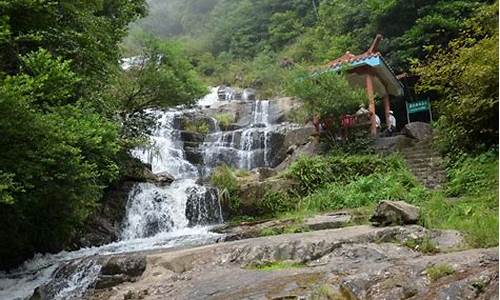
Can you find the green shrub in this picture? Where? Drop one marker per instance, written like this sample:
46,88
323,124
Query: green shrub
439,271
275,265
198,126
314,172
365,191
225,180
476,216
275,203
473,175
359,142
224,119
326,94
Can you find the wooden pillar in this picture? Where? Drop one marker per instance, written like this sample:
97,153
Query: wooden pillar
371,103
387,107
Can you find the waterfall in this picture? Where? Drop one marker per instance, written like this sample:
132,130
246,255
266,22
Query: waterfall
155,209
156,217
159,216
245,148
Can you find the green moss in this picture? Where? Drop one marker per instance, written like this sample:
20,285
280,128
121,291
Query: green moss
269,232
439,271
425,245
326,292
275,265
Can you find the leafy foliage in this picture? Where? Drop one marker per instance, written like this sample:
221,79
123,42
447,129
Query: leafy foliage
85,32
475,181
62,126
275,203
465,78
315,172
163,77
55,164
225,180
365,191
326,94
473,175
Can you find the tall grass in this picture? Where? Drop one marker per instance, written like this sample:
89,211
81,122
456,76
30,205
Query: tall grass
475,181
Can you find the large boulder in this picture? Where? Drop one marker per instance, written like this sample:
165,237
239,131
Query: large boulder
394,213
249,94
284,143
137,171
119,269
418,130
164,178
251,192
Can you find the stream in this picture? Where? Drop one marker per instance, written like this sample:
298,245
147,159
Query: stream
161,217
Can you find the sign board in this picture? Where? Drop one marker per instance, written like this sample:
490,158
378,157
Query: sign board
418,106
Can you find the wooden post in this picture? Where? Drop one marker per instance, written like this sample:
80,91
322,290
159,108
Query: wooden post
387,107
371,103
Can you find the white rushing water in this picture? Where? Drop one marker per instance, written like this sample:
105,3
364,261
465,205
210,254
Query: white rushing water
156,218
245,148
160,216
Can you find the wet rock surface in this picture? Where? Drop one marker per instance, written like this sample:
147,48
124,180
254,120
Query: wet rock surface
358,262
118,269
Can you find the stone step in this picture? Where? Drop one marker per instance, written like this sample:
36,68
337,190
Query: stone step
424,165
421,155
431,161
423,173
422,150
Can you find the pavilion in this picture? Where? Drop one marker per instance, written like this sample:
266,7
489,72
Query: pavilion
371,71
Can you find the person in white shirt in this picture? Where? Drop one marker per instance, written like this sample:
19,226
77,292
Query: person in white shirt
377,123
391,127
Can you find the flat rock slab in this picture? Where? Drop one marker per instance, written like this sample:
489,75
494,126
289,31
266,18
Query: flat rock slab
254,229
357,261
330,221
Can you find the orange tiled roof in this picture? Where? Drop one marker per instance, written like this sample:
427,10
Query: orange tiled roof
348,57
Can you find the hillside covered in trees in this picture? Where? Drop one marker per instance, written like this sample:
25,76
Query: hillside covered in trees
70,115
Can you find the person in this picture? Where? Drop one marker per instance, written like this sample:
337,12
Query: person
377,123
391,127
346,122
362,111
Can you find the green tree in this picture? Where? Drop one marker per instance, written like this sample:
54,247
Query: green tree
56,159
327,94
463,77
83,31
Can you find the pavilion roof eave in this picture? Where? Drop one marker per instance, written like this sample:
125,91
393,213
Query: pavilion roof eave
378,64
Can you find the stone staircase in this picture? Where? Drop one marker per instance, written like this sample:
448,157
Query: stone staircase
425,163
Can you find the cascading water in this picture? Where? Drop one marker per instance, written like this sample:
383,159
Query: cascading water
161,216
157,217
245,148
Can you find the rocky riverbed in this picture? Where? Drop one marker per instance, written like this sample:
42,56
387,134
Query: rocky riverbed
355,262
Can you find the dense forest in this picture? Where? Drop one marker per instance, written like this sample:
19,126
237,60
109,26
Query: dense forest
69,114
